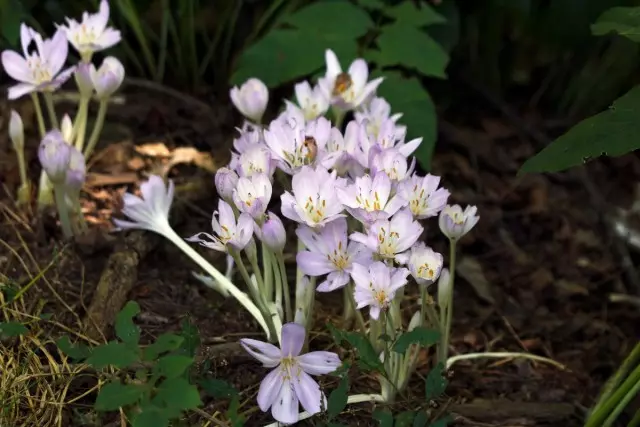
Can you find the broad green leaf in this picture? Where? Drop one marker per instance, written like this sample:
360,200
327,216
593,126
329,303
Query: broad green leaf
367,357
622,20
409,47
189,332
13,13
332,20
371,4
13,329
420,420
126,330
115,395
436,383
423,336
405,419
75,351
173,365
408,13
116,354
407,96
337,400
152,416
218,389
612,133
178,393
383,417
236,418
163,344
448,34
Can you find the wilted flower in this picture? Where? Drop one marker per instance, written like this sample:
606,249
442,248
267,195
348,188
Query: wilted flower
229,234
92,34
40,70
273,233
312,101
151,212
251,99
369,199
54,155
424,264
424,196
330,252
376,285
347,90
392,238
108,78
454,223
252,195
77,171
290,382
16,131
314,201
226,181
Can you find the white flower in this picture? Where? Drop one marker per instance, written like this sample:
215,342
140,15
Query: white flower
425,198
392,162
92,34
252,195
369,199
256,159
312,101
424,264
376,113
454,223
251,99
376,285
108,78
151,212
229,234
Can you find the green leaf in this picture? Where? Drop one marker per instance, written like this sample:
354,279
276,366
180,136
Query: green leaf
173,365
409,47
218,389
408,13
13,329
337,400
45,316
436,383
126,330
624,21
116,354
384,418
442,422
189,332
332,20
407,96
420,420
178,393
613,133
367,357
77,352
152,416
163,344
115,395
371,4
420,335
13,13
405,419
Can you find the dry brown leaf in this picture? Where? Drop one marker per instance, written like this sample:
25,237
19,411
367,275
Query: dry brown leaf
191,155
153,149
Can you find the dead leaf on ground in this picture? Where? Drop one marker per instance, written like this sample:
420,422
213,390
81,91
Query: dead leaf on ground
190,155
153,149
471,270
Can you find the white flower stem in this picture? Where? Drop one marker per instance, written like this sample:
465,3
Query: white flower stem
225,283
97,128
502,355
63,211
285,288
38,109
267,272
80,125
443,348
356,398
51,109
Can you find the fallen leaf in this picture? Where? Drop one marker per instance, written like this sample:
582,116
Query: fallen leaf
471,270
153,149
191,155
136,163
98,179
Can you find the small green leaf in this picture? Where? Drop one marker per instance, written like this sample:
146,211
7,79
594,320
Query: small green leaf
237,419
77,352
172,366
624,21
408,13
612,133
163,344
152,416
115,395
337,400
405,419
436,383
189,332
218,389
420,335
384,418
178,393
333,20
367,357
420,420
13,329
126,330
116,354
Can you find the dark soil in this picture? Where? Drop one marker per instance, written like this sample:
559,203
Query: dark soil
539,266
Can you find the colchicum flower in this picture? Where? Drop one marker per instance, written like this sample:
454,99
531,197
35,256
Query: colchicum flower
82,76
16,131
290,383
369,199
454,223
77,171
340,151
251,99
314,201
92,34
347,90
252,195
391,162
375,113
425,198
151,212
256,159
226,181
229,234
376,285
444,289
392,238
312,101
330,252
424,264
273,233
40,70
108,78
54,155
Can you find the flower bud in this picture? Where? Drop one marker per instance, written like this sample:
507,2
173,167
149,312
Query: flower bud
226,181
454,223
66,127
83,79
273,233
444,289
415,321
54,155
16,131
108,78
77,171
251,99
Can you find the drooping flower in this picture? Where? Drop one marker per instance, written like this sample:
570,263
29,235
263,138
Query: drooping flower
376,285
252,195
151,212
330,252
91,34
40,70
251,99
391,162
314,201
347,90
229,233
454,223
54,155
108,78
374,114
256,159
369,199
290,382
312,101
424,264
392,238
273,233
425,198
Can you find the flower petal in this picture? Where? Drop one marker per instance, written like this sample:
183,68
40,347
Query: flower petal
16,66
314,264
285,408
293,336
308,392
268,354
270,389
319,362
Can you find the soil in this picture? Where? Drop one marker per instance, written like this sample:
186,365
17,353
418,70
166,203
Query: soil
535,274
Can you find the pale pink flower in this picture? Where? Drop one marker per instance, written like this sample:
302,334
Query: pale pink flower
369,199
251,99
91,34
376,285
425,198
424,264
228,233
455,223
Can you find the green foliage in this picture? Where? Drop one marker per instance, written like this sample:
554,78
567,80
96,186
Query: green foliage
115,395
115,354
77,352
624,21
435,383
220,389
610,133
383,417
337,400
420,335
126,330
367,358
12,329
